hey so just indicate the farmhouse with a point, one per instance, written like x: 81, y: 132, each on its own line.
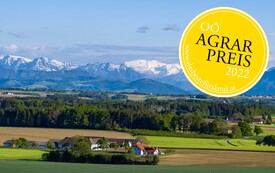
x: 9, y: 143
x: 141, y: 149
x: 119, y: 141
x: 152, y: 150
x: 236, y: 120
x: 41, y: 145
x: 258, y: 121
x: 67, y: 142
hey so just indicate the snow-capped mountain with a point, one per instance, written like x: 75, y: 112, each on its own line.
x: 11, y: 61
x: 111, y: 71
x: 38, y: 64
x: 125, y: 72
x: 133, y: 69
x: 153, y: 68
x: 148, y: 76
x: 45, y: 64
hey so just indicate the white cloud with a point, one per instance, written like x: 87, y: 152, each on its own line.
x: 11, y: 48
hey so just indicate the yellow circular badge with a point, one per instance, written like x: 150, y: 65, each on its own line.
x: 223, y: 52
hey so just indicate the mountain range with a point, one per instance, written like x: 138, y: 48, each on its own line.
x: 145, y: 76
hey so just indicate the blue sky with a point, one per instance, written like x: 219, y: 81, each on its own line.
x: 83, y: 31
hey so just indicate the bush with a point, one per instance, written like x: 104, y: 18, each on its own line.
x: 269, y: 140
x: 55, y: 156
x: 90, y: 158
x: 68, y: 156
x: 155, y: 160
x: 45, y: 156
x: 119, y: 159
x: 102, y: 159
x: 131, y: 151
x: 50, y: 145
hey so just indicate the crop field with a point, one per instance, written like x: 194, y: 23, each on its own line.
x: 216, y: 144
x: 8, y: 166
x: 137, y: 97
x: 20, y: 154
x: 191, y: 157
x: 44, y: 134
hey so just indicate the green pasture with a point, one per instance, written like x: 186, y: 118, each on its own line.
x: 20, y: 154
x: 264, y: 125
x: 198, y: 143
x: 13, y: 166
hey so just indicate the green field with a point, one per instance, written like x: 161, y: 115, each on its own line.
x: 176, y: 142
x: 51, y: 167
x: 264, y: 125
x: 20, y: 154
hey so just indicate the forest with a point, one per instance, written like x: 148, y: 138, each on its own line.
x: 152, y: 114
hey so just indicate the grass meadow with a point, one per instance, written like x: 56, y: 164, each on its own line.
x: 215, y: 144
x: 20, y: 154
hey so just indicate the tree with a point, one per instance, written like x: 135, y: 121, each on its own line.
x: 196, y: 122
x: 34, y: 144
x: 204, y: 128
x: 213, y: 128
x: 155, y: 160
x: 131, y: 151
x: 81, y: 147
x: 269, y: 119
x: 258, y: 130
x: 50, y: 145
x: 22, y: 143
x: 114, y: 145
x: 269, y: 140
x: 245, y: 128
x: 236, y: 132
x: 27, y: 145
x: 218, y: 127
x: 119, y: 96
x: 103, y: 143
x: 174, y: 123
x: 126, y: 144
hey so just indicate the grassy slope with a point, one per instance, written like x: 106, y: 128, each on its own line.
x: 50, y: 167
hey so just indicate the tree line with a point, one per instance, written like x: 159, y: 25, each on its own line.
x: 179, y: 115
